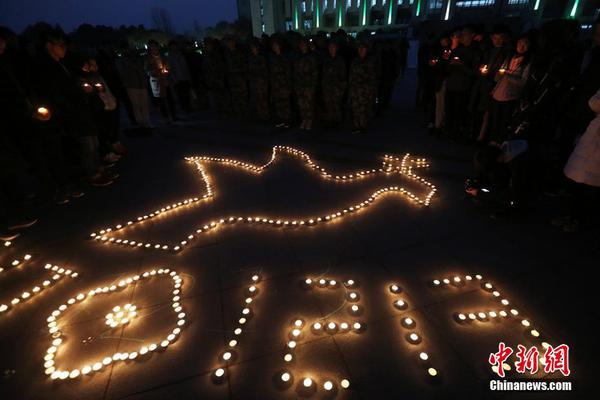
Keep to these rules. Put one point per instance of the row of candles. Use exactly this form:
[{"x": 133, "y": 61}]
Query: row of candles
[
  {"x": 409, "y": 324},
  {"x": 229, "y": 354},
  {"x": 56, "y": 274},
  {"x": 16, "y": 262},
  {"x": 403, "y": 166},
  {"x": 486, "y": 316},
  {"x": 484, "y": 69},
  {"x": 118, "y": 317}
]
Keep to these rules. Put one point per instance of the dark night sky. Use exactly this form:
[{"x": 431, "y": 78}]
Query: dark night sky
[{"x": 17, "y": 14}]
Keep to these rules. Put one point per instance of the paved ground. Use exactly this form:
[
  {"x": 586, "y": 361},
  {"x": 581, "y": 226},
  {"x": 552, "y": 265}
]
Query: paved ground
[{"x": 546, "y": 275}]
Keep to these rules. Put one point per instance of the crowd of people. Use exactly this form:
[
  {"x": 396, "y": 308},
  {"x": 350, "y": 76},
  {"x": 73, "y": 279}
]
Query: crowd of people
[
  {"x": 61, "y": 105},
  {"x": 59, "y": 129},
  {"x": 524, "y": 100}
]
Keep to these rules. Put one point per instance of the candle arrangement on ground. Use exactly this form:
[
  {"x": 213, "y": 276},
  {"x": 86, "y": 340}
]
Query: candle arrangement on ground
[
  {"x": 409, "y": 326},
  {"x": 301, "y": 328},
  {"x": 504, "y": 312},
  {"x": 120, "y": 316},
  {"x": 251, "y": 292},
  {"x": 56, "y": 274},
  {"x": 403, "y": 166}
]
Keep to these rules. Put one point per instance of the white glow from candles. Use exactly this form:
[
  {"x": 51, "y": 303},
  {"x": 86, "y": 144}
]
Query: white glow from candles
[{"x": 404, "y": 167}]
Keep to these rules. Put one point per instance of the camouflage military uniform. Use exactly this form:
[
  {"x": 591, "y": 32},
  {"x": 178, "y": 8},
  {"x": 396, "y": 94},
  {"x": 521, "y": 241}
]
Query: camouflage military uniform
[
  {"x": 258, "y": 78},
  {"x": 333, "y": 84},
  {"x": 306, "y": 75},
  {"x": 236, "y": 78},
  {"x": 362, "y": 91},
  {"x": 213, "y": 70},
  {"x": 281, "y": 85}
]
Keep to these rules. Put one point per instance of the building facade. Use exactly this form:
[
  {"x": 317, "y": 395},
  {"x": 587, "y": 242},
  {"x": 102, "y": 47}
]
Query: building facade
[{"x": 311, "y": 16}]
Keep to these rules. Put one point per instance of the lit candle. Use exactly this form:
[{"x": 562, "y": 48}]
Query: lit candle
[
  {"x": 484, "y": 69},
  {"x": 43, "y": 111}
]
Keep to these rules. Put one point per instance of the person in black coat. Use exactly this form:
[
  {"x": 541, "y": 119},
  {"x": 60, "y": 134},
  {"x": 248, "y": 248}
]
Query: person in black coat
[{"x": 73, "y": 118}]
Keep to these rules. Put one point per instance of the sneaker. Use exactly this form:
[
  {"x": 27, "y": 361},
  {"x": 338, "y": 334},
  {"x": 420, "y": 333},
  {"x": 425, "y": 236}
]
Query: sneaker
[
  {"x": 280, "y": 125},
  {"x": 8, "y": 236},
  {"x": 111, "y": 158},
  {"x": 22, "y": 223},
  {"x": 76, "y": 194},
  {"x": 110, "y": 175},
  {"x": 119, "y": 148},
  {"x": 286, "y": 126},
  {"x": 355, "y": 131},
  {"x": 100, "y": 181},
  {"x": 61, "y": 198}
]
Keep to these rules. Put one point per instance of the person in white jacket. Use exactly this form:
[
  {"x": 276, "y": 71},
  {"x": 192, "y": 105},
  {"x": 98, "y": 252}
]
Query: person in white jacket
[{"x": 583, "y": 169}]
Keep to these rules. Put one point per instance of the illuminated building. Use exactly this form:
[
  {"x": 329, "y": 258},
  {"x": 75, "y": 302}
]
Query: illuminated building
[{"x": 311, "y": 16}]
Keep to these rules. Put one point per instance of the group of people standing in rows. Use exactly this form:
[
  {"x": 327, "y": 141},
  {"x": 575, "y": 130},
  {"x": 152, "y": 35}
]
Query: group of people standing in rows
[
  {"x": 284, "y": 80},
  {"x": 284, "y": 73}
]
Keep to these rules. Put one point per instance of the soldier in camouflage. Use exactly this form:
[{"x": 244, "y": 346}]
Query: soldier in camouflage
[
  {"x": 306, "y": 76},
  {"x": 237, "y": 77},
  {"x": 213, "y": 70},
  {"x": 258, "y": 80},
  {"x": 280, "y": 79},
  {"x": 362, "y": 89},
  {"x": 333, "y": 85}
]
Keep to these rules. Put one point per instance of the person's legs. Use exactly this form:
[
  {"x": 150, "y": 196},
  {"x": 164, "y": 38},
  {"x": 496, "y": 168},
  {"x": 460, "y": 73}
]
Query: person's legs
[
  {"x": 440, "y": 107},
  {"x": 182, "y": 90},
  {"x": 89, "y": 155},
  {"x": 136, "y": 107},
  {"x": 170, "y": 104},
  {"x": 143, "y": 101},
  {"x": 451, "y": 110}
]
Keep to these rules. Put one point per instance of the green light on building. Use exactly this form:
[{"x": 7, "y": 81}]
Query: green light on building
[
  {"x": 317, "y": 13},
  {"x": 574, "y": 9},
  {"x": 364, "y": 12},
  {"x": 418, "y": 8},
  {"x": 390, "y": 11},
  {"x": 536, "y": 5}
]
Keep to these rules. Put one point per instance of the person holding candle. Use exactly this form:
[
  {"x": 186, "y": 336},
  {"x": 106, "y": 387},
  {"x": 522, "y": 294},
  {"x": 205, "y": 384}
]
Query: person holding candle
[
  {"x": 180, "y": 75},
  {"x": 131, "y": 72},
  {"x": 492, "y": 61},
  {"x": 438, "y": 62},
  {"x": 510, "y": 79},
  {"x": 72, "y": 109},
  {"x": 461, "y": 70},
  {"x": 106, "y": 113},
  {"x": 30, "y": 117},
  {"x": 157, "y": 70}
]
